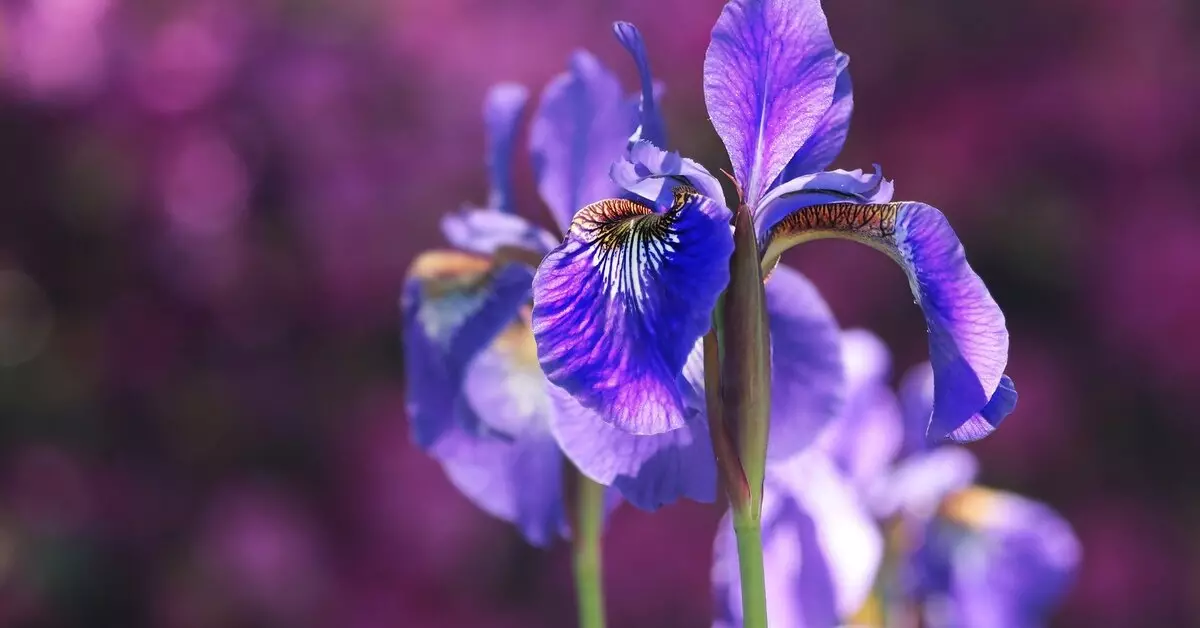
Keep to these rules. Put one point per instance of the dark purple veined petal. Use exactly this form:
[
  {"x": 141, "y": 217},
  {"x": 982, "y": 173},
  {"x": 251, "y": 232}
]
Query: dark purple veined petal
[
  {"x": 866, "y": 437},
  {"x": 581, "y": 126},
  {"x": 653, "y": 174},
  {"x": 829, "y": 136},
  {"x": 836, "y": 186},
  {"x": 968, "y": 340},
  {"x": 453, "y": 305},
  {"x": 650, "y": 123},
  {"x": 519, "y": 480},
  {"x": 484, "y": 231},
  {"x": 650, "y": 471},
  {"x": 917, "y": 398},
  {"x": 821, "y": 549},
  {"x": 769, "y": 77},
  {"x": 1012, "y": 565},
  {"x": 501, "y": 111},
  {"x": 621, "y": 302}
]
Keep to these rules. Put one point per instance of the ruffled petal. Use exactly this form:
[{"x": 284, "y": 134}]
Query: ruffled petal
[
  {"x": 807, "y": 376},
  {"x": 654, "y": 174},
  {"x": 830, "y": 135},
  {"x": 968, "y": 340},
  {"x": 917, "y": 397},
  {"x": 836, "y": 186},
  {"x": 650, "y": 471},
  {"x": 867, "y": 435},
  {"x": 453, "y": 305},
  {"x": 769, "y": 77},
  {"x": 1012, "y": 566},
  {"x": 650, "y": 123},
  {"x": 581, "y": 126},
  {"x": 484, "y": 231},
  {"x": 821, "y": 549},
  {"x": 619, "y": 305},
  {"x": 519, "y": 481},
  {"x": 501, "y": 111}
]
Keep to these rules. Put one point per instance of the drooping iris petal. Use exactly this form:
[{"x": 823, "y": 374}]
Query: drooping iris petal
[
  {"x": 650, "y": 126},
  {"x": 918, "y": 484},
  {"x": 653, "y": 174},
  {"x": 581, "y": 126},
  {"x": 769, "y": 77},
  {"x": 968, "y": 340},
  {"x": 483, "y": 231},
  {"x": 649, "y": 471},
  {"x": 505, "y": 387},
  {"x": 453, "y": 305},
  {"x": 830, "y": 134},
  {"x": 821, "y": 549},
  {"x": 501, "y": 111},
  {"x": 836, "y": 186},
  {"x": 519, "y": 481},
  {"x": 865, "y": 438},
  {"x": 1009, "y": 559},
  {"x": 621, "y": 302},
  {"x": 807, "y": 376}
]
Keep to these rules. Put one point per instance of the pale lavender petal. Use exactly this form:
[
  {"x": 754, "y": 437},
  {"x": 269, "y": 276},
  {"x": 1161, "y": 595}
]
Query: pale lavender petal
[
  {"x": 581, "y": 126},
  {"x": 769, "y": 77},
  {"x": 650, "y": 126},
  {"x": 650, "y": 471},
  {"x": 830, "y": 135},
  {"x": 920, "y": 482},
  {"x": 821, "y": 549},
  {"x": 483, "y": 231},
  {"x": 519, "y": 481},
  {"x": 620, "y": 304},
  {"x": 505, "y": 387},
  {"x": 653, "y": 174},
  {"x": 501, "y": 111}
]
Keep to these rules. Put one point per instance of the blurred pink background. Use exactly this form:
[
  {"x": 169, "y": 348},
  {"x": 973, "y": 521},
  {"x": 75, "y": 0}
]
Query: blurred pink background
[{"x": 209, "y": 206}]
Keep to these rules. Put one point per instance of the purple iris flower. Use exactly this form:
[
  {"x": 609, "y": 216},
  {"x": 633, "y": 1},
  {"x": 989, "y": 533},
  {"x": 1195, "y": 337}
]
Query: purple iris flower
[{"x": 621, "y": 303}]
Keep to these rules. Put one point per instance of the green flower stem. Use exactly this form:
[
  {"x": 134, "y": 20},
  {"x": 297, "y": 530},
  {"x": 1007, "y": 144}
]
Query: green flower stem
[
  {"x": 587, "y": 561},
  {"x": 750, "y": 563}
]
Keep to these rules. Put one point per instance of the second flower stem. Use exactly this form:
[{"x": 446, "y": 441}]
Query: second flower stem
[
  {"x": 589, "y": 573},
  {"x": 750, "y": 564}
]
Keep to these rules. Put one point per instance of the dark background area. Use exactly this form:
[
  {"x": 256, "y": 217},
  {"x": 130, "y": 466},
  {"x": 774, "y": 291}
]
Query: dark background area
[{"x": 208, "y": 207}]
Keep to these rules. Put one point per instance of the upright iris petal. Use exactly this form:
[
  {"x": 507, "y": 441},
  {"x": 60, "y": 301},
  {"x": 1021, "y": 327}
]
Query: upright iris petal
[
  {"x": 621, "y": 302},
  {"x": 827, "y": 139},
  {"x": 769, "y": 78},
  {"x": 650, "y": 127},
  {"x": 968, "y": 341},
  {"x": 821, "y": 549},
  {"x": 503, "y": 106},
  {"x": 582, "y": 124}
]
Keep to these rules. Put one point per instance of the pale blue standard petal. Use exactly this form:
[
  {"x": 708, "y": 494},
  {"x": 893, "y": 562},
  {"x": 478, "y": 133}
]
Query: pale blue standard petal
[
  {"x": 769, "y": 78},
  {"x": 453, "y": 305},
  {"x": 501, "y": 111},
  {"x": 620, "y": 304},
  {"x": 650, "y": 471},
  {"x": 968, "y": 340},
  {"x": 581, "y": 126},
  {"x": 650, "y": 126},
  {"x": 484, "y": 231},
  {"x": 653, "y": 174},
  {"x": 821, "y": 550},
  {"x": 830, "y": 134},
  {"x": 1008, "y": 559}
]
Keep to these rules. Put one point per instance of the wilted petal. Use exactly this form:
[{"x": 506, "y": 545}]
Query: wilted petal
[
  {"x": 835, "y": 186},
  {"x": 484, "y": 231},
  {"x": 821, "y": 549},
  {"x": 453, "y": 305},
  {"x": 581, "y": 126},
  {"x": 1013, "y": 565},
  {"x": 649, "y": 471},
  {"x": 650, "y": 126},
  {"x": 769, "y": 77},
  {"x": 501, "y": 111},
  {"x": 866, "y": 437},
  {"x": 968, "y": 340},
  {"x": 519, "y": 481},
  {"x": 653, "y": 174},
  {"x": 830, "y": 135},
  {"x": 620, "y": 304}
]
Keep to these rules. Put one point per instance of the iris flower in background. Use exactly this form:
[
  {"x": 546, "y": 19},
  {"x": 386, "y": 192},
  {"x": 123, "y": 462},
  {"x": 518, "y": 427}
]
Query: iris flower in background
[{"x": 621, "y": 304}]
